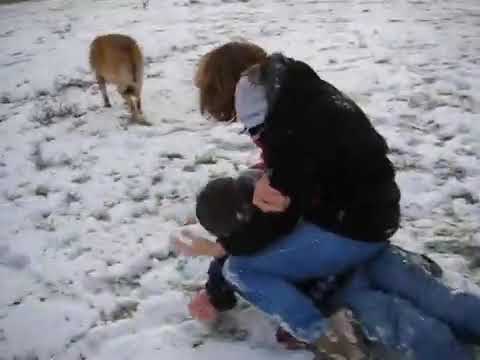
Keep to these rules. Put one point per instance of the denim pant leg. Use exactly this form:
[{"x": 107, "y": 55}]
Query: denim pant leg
[
  {"x": 309, "y": 252},
  {"x": 279, "y": 299},
  {"x": 400, "y": 327},
  {"x": 403, "y": 274},
  {"x": 266, "y": 279}
]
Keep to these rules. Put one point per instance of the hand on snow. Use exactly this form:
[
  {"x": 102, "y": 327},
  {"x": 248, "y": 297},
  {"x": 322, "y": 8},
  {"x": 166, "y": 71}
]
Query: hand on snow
[{"x": 201, "y": 308}]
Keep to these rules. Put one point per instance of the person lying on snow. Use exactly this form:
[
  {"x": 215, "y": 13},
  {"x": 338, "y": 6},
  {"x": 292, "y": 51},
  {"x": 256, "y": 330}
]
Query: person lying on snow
[
  {"x": 326, "y": 168},
  {"x": 400, "y": 307}
]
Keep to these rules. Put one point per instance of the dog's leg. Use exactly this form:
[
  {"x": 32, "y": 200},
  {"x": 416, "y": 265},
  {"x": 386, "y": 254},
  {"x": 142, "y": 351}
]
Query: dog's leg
[{"x": 103, "y": 89}]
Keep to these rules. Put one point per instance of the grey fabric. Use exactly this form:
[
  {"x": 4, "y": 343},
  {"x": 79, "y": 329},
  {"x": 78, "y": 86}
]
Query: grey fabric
[
  {"x": 250, "y": 103},
  {"x": 252, "y": 100}
]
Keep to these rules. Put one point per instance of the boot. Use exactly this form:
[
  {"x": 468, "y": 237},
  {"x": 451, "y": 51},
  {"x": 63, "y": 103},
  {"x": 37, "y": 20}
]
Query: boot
[
  {"x": 289, "y": 341},
  {"x": 343, "y": 341}
]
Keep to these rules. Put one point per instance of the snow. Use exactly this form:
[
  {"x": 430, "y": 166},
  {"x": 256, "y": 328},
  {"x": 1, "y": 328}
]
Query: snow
[{"x": 88, "y": 204}]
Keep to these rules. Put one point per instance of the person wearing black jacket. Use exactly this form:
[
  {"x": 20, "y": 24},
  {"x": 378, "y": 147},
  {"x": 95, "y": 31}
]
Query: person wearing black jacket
[
  {"x": 328, "y": 165},
  {"x": 322, "y": 152}
]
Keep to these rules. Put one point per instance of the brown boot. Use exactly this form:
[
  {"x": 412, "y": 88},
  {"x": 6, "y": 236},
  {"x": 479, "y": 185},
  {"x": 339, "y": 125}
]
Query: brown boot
[{"x": 343, "y": 341}]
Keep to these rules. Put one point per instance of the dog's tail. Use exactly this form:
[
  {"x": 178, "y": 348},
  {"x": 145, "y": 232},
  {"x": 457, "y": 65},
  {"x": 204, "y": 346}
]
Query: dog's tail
[{"x": 136, "y": 61}]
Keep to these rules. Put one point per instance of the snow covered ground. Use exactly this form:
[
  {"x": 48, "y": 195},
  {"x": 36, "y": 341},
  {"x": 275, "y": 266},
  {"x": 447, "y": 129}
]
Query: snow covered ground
[{"x": 88, "y": 206}]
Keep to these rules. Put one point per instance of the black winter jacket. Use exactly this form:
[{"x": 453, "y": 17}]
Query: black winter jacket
[{"x": 323, "y": 152}]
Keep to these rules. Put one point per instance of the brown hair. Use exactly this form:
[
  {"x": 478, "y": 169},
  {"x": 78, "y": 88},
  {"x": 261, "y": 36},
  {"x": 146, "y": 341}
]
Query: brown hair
[{"x": 218, "y": 73}]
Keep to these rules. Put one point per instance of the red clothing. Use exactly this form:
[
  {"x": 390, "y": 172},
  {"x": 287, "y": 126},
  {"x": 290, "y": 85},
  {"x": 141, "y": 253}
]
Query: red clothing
[{"x": 263, "y": 164}]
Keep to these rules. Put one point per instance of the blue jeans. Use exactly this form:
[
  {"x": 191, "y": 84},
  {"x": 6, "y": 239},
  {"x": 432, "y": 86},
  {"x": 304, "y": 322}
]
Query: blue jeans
[
  {"x": 384, "y": 293},
  {"x": 399, "y": 273},
  {"x": 266, "y": 279},
  {"x": 396, "y": 323}
]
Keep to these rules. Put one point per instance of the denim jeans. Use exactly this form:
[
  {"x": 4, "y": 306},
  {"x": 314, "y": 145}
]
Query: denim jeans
[
  {"x": 266, "y": 279},
  {"x": 398, "y": 302}
]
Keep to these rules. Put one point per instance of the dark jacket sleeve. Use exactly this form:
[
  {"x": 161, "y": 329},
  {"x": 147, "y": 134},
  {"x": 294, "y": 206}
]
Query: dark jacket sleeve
[
  {"x": 300, "y": 136},
  {"x": 221, "y": 293}
]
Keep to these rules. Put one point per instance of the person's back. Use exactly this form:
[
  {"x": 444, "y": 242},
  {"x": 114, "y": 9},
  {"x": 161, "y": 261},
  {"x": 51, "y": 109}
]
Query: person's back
[{"x": 322, "y": 146}]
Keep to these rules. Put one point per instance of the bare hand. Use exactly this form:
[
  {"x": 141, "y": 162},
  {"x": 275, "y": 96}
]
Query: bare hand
[
  {"x": 193, "y": 245},
  {"x": 201, "y": 308},
  {"x": 268, "y": 199}
]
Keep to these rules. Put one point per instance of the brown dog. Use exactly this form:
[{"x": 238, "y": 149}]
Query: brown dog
[{"x": 117, "y": 59}]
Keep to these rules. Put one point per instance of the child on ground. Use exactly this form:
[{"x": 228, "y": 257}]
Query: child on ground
[{"x": 397, "y": 324}]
